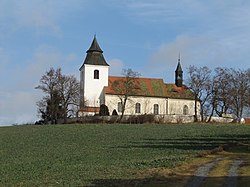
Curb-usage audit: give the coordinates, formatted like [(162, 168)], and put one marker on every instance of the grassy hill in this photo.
[(82, 155)]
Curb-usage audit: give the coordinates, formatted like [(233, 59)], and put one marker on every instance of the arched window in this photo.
[(96, 74), (185, 110), (119, 106), (156, 109), (137, 108)]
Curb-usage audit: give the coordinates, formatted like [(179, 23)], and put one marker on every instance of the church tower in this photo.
[(179, 74), (93, 76)]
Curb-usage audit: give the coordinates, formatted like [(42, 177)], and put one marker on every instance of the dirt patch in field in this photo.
[(211, 168)]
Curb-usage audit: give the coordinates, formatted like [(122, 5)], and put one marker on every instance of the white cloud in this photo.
[(43, 59), (116, 66), (39, 15), (27, 77), (4, 59), (18, 100), (167, 54), (18, 107), (186, 10), (162, 10), (199, 51)]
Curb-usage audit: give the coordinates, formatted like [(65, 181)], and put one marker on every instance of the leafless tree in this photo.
[(221, 92), (225, 91), (239, 92), (248, 92), (126, 87), (61, 96), (199, 81)]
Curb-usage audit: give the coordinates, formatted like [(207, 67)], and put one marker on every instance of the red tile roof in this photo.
[(179, 92), (150, 87), (90, 109)]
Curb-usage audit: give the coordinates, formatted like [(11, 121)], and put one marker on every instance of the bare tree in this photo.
[(126, 87), (239, 92), (248, 82), (221, 92), (248, 92), (68, 88), (225, 92), (61, 96), (199, 81), (48, 106)]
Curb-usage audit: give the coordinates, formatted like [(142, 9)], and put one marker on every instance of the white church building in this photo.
[(153, 97)]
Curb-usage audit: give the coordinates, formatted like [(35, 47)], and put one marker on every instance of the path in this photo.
[(203, 171), (233, 173)]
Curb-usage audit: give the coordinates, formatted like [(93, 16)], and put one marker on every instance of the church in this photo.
[(152, 97)]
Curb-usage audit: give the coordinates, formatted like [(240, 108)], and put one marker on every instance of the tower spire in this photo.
[(95, 55), (95, 46)]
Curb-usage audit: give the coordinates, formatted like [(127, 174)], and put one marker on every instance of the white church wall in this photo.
[(166, 105), (176, 106), (146, 103), (92, 88), (82, 85)]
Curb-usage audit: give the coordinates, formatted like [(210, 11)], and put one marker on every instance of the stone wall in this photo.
[(174, 118), (215, 119), (137, 119)]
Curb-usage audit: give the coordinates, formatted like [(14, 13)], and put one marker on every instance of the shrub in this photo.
[(104, 111)]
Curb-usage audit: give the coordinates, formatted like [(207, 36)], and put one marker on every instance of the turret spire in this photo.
[(179, 73)]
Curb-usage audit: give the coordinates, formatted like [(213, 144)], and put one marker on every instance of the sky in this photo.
[(145, 35)]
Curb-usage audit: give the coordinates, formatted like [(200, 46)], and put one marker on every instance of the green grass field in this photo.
[(82, 155)]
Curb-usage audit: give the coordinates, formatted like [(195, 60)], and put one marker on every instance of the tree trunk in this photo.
[(123, 109), (212, 112), (195, 109)]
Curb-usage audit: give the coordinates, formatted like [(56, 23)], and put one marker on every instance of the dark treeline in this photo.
[(220, 91)]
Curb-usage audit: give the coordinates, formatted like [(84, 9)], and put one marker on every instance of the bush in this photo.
[(140, 119), (104, 111)]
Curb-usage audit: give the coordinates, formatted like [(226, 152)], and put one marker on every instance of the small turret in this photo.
[(179, 74)]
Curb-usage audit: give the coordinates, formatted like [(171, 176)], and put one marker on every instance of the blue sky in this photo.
[(145, 35)]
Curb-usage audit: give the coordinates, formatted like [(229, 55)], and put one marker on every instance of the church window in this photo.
[(96, 74), (185, 110), (137, 108), (156, 109), (120, 107)]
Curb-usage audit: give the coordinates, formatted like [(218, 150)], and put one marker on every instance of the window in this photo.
[(96, 74), (137, 108), (120, 107), (156, 109), (185, 110)]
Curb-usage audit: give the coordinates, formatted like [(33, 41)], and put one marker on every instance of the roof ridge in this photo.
[(139, 77)]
